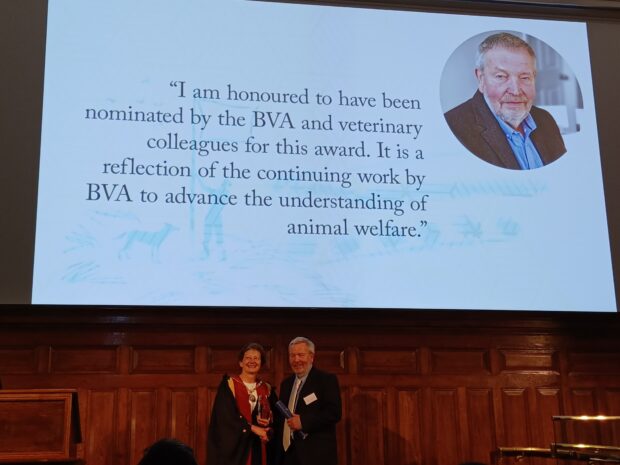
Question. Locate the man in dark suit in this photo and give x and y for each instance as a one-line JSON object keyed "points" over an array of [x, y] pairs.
{"points": [[499, 124], [309, 437]]}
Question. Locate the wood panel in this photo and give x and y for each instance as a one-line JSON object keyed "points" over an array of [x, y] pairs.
{"points": [[368, 426], [143, 422], [388, 360], [83, 360], [583, 402], [516, 422], [460, 361], [593, 363], [39, 425], [430, 389], [329, 359], [611, 432], [34, 425], [182, 414], [163, 360], [529, 360], [480, 415], [408, 434], [222, 360], [18, 360], [100, 428], [548, 403], [344, 427], [445, 427]]}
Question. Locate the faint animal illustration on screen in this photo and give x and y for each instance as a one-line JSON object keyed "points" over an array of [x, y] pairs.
{"points": [[213, 230], [151, 239], [213, 233]]}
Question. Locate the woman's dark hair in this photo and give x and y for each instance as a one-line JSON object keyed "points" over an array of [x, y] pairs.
{"points": [[168, 452], [252, 346]]}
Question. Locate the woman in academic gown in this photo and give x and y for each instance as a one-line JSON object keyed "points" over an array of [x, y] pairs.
{"points": [[241, 418]]}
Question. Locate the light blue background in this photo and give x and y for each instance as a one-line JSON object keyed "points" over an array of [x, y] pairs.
{"points": [[496, 239]]}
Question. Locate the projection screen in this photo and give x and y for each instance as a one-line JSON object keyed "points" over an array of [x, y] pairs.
{"points": [[235, 153]]}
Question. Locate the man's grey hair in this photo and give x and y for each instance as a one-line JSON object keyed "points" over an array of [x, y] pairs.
{"points": [[502, 40], [302, 340]]}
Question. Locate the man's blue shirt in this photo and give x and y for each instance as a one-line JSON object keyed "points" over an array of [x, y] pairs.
{"points": [[521, 144]]}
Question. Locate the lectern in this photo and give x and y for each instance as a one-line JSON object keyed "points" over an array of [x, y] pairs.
{"points": [[39, 425]]}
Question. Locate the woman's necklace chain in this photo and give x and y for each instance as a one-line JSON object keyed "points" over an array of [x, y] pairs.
{"points": [[251, 392]]}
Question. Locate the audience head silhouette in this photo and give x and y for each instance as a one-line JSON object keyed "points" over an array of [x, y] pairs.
{"points": [[168, 452]]}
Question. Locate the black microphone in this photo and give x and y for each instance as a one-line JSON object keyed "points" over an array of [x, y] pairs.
{"points": [[286, 413]]}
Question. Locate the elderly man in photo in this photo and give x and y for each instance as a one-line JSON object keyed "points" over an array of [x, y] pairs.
{"points": [[499, 124], [313, 396]]}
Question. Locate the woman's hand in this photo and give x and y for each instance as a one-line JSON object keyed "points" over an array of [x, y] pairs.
{"points": [[262, 433]]}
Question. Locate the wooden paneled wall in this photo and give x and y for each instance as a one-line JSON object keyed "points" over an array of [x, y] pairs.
{"points": [[418, 388]]}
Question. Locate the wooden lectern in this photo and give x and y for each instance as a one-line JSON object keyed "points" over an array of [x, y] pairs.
{"points": [[39, 425]]}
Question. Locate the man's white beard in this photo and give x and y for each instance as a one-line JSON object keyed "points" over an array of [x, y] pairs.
{"points": [[514, 117]]}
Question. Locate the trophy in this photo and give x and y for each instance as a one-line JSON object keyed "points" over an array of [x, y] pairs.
{"points": [[264, 415]]}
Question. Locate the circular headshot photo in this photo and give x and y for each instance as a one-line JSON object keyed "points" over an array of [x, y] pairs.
{"points": [[510, 99]]}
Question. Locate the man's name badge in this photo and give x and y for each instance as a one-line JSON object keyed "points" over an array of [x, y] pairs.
{"points": [[310, 398]]}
